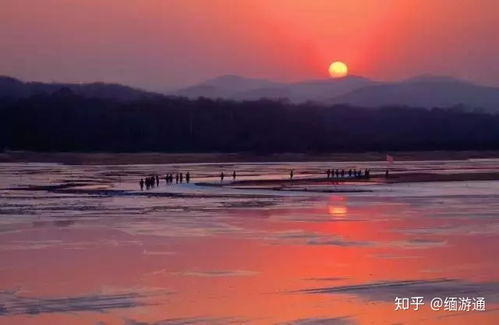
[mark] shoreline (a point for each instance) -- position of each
(107, 158)
(395, 178)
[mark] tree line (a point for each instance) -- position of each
(66, 122)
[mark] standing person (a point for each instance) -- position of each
(337, 173)
(157, 180)
(222, 176)
(141, 184)
(342, 173)
(234, 175)
(291, 174)
(176, 178)
(181, 177)
(349, 173)
(187, 177)
(328, 173)
(387, 173)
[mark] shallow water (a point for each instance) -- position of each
(83, 245)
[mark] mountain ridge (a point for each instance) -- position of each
(425, 91)
(421, 91)
(15, 88)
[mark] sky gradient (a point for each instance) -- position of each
(165, 44)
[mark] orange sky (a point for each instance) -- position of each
(162, 44)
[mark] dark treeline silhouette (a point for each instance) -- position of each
(66, 122)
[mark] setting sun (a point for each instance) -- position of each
(338, 69)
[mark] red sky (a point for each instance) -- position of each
(163, 44)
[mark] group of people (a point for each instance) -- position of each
(222, 176)
(332, 173)
(149, 182)
(342, 173)
(152, 181)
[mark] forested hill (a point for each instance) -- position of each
(67, 122)
(11, 88)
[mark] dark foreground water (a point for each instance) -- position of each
(83, 245)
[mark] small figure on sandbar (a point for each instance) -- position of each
(222, 176)
(234, 175)
(328, 173)
(291, 174)
(187, 177)
(141, 184)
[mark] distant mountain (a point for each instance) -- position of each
(241, 88)
(14, 88)
(315, 90)
(228, 86)
(424, 91)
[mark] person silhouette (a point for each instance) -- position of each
(234, 175)
(342, 173)
(141, 184)
(222, 176)
(337, 173)
(157, 180)
(328, 173)
(187, 177)
(387, 173)
(291, 174)
(176, 178)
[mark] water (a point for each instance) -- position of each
(83, 245)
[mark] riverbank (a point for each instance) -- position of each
(72, 158)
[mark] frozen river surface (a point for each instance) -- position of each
(84, 245)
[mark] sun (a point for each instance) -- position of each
(338, 69)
